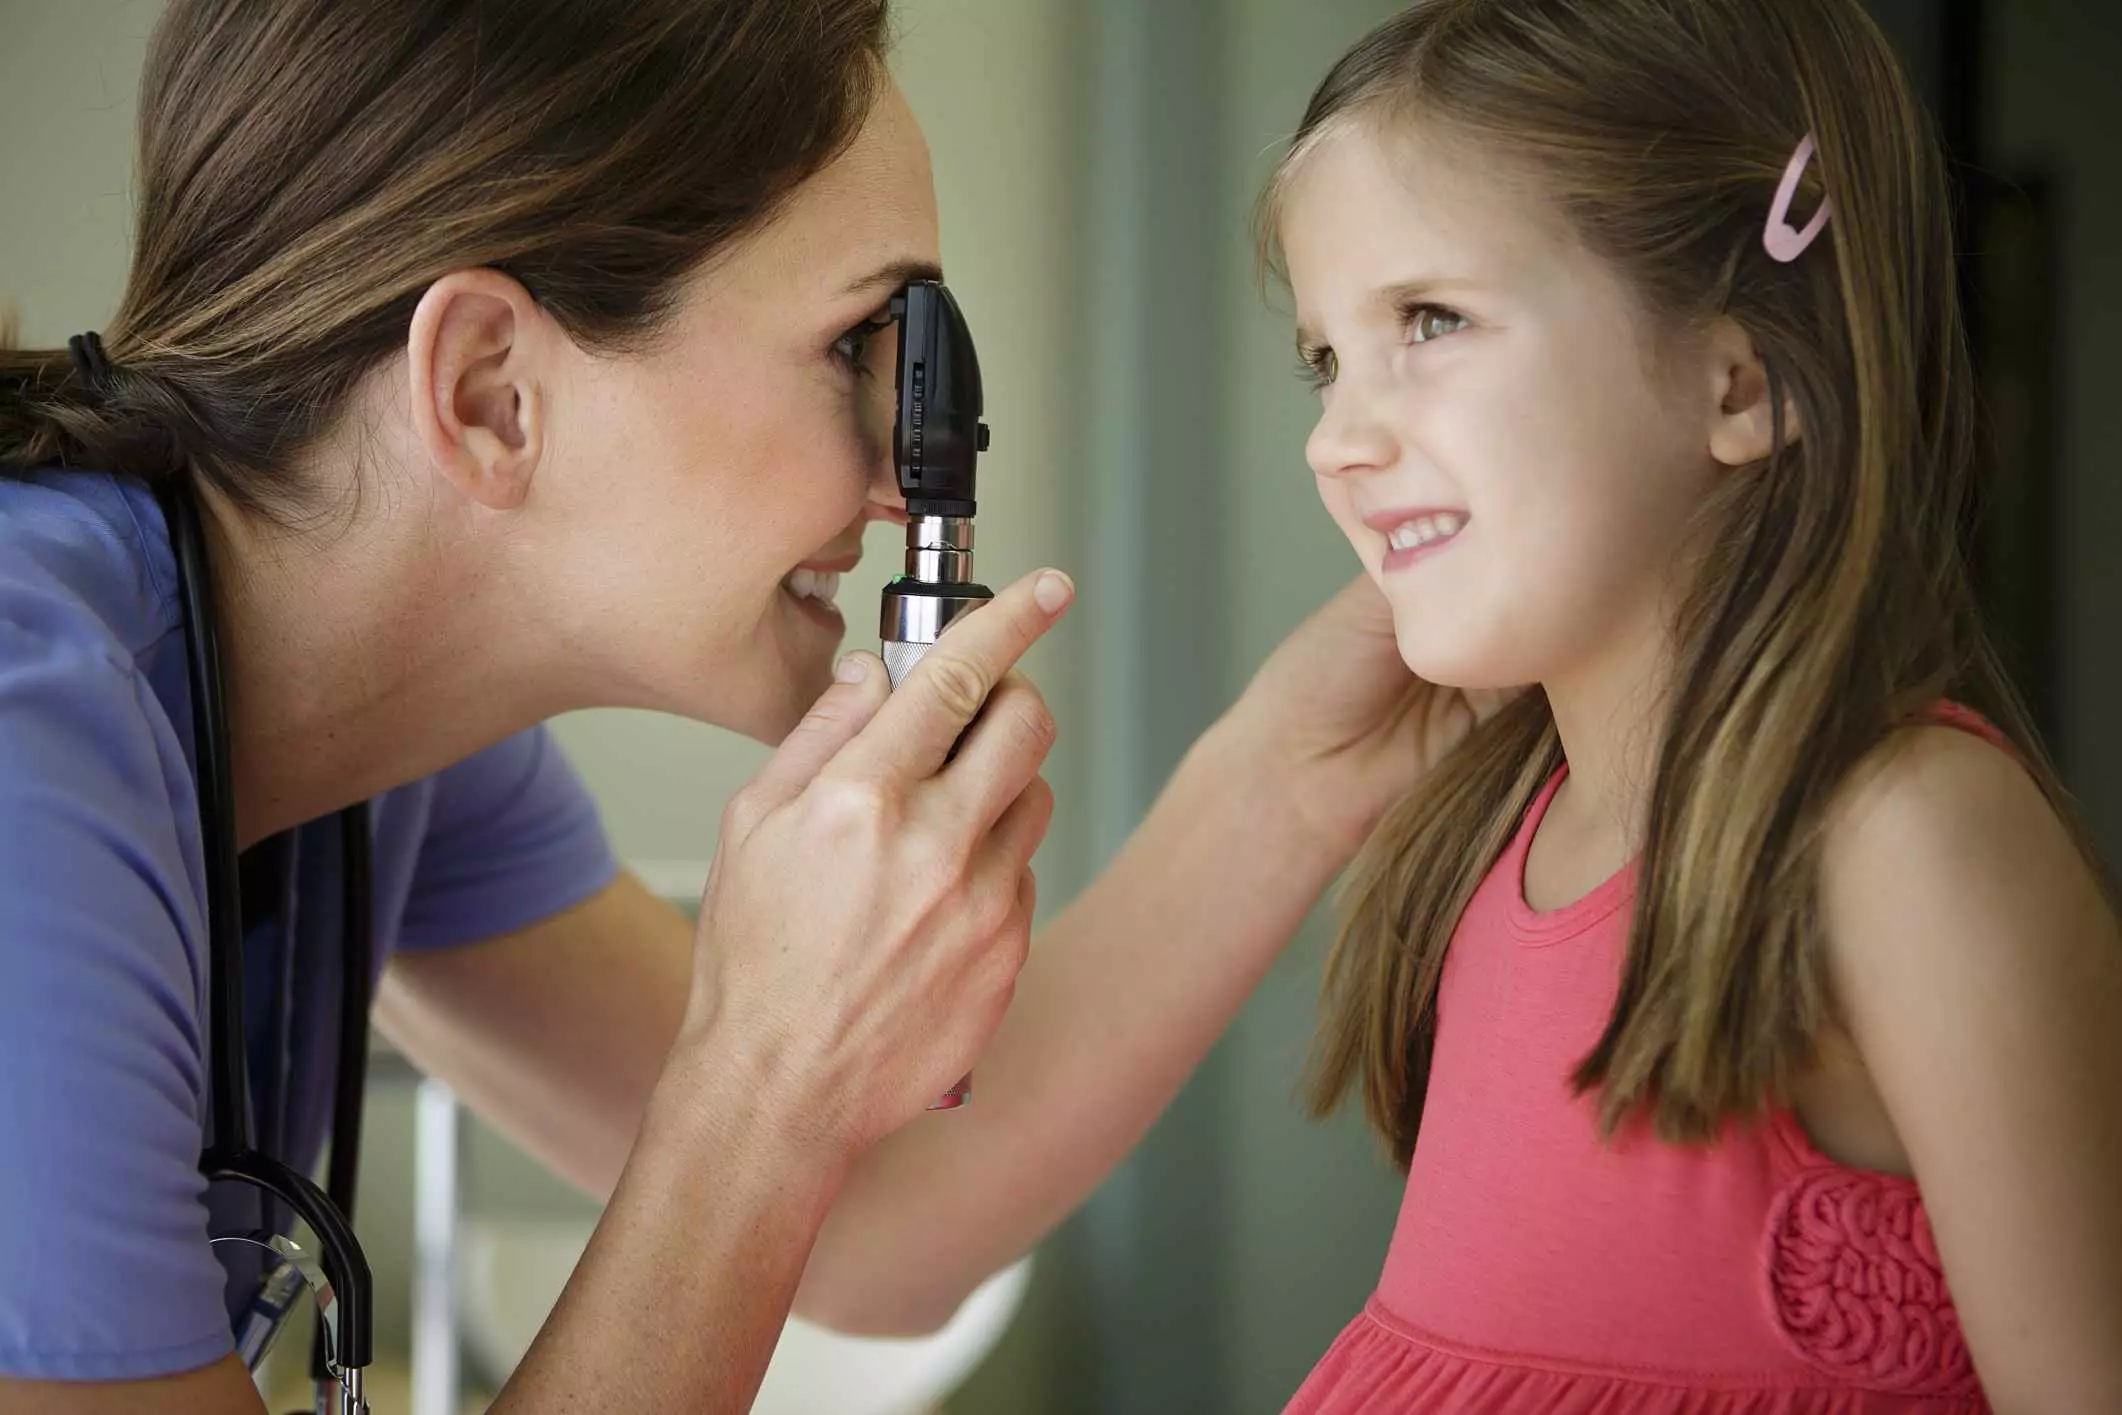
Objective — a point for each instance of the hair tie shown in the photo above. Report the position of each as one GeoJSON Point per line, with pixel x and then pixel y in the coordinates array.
{"type": "Point", "coordinates": [91, 365]}
{"type": "Point", "coordinates": [1779, 238]}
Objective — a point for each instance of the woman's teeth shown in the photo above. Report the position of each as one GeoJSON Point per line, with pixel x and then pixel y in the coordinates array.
{"type": "Point", "coordinates": [812, 584]}
{"type": "Point", "coordinates": [1423, 530]}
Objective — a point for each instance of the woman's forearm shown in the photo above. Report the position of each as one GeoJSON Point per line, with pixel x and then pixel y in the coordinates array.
{"type": "Point", "coordinates": [682, 1294]}
{"type": "Point", "coordinates": [1124, 994]}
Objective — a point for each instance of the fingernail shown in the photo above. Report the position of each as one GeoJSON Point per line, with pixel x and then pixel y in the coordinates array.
{"type": "Point", "coordinates": [852, 668]}
{"type": "Point", "coordinates": [1053, 591]}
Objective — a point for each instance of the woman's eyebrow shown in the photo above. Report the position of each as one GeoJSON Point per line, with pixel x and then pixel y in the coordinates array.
{"type": "Point", "coordinates": [893, 274]}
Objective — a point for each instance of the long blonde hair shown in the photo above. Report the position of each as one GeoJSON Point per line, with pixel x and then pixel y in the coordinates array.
{"type": "Point", "coordinates": [1831, 606]}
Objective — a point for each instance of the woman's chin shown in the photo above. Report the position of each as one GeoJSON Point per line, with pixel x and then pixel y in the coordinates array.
{"type": "Point", "coordinates": [794, 674]}
{"type": "Point", "coordinates": [771, 711]}
{"type": "Point", "coordinates": [761, 686]}
{"type": "Point", "coordinates": [761, 696]}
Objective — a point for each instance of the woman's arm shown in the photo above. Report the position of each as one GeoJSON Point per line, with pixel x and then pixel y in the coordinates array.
{"type": "Point", "coordinates": [1127, 990]}
{"type": "Point", "coordinates": [1979, 968]}
{"type": "Point", "coordinates": [554, 1034]}
{"type": "Point", "coordinates": [682, 1293]}
{"type": "Point", "coordinates": [1124, 994]}
{"type": "Point", "coordinates": [869, 912]}
{"type": "Point", "coordinates": [680, 1298]}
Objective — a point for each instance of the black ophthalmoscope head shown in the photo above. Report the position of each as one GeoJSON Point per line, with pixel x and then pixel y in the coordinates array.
{"type": "Point", "coordinates": [937, 440]}
{"type": "Point", "coordinates": [937, 437]}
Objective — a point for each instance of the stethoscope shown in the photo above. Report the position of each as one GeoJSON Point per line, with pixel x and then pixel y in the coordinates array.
{"type": "Point", "coordinates": [337, 1276]}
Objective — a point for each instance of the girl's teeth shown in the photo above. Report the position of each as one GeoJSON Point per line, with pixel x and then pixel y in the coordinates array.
{"type": "Point", "coordinates": [1425, 529]}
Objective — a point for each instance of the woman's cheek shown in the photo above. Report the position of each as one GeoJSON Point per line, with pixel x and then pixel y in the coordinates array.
{"type": "Point", "coordinates": [876, 409]}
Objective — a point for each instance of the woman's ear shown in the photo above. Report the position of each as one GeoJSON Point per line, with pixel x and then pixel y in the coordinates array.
{"type": "Point", "coordinates": [476, 393]}
{"type": "Point", "coordinates": [1742, 425]}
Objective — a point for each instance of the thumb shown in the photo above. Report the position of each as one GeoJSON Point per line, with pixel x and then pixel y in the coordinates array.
{"type": "Point", "coordinates": [859, 689]}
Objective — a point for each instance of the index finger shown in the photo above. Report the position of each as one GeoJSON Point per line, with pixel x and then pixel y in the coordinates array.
{"type": "Point", "coordinates": [912, 735]}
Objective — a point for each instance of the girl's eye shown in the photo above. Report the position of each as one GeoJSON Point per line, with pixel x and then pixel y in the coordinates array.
{"type": "Point", "coordinates": [1427, 322]}
{"type": "Point", "coordinates": [852, 348]}
{"type": "Point", "coordinates": [1318, 365]}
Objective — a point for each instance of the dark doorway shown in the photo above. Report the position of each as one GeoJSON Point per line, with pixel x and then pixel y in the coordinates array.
{"type": "Point", "coordinates": [2009, 287]}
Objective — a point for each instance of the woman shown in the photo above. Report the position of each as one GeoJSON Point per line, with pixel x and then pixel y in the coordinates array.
{"type": "Point", "coordinates": [516, 356]}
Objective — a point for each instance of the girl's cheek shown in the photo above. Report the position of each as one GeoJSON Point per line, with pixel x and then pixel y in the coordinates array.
{"type": "Point", "coordinates": [1334, 495]}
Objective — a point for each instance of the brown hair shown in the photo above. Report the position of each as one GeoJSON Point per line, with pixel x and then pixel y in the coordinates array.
{"type": "Point", "coordinates": [307, 168]}
{"type": "Point", "coordinates": [1830, 607]}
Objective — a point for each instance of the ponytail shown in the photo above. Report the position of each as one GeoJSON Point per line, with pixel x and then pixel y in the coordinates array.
{"type": "Point", "coordinates": [55, 412]}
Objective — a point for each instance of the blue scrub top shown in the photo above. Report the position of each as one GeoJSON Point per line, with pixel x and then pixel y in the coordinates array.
{"type": "Point", "coordinates": [105, 1268]}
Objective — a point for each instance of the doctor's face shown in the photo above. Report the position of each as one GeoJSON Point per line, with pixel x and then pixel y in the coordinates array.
{"type": "Point", "coordinates": [721, 482]}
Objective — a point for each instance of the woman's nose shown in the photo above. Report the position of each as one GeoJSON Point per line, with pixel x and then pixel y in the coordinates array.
{"type": "Point", "coordinates": [886, 502]}
{"type": "Point", "coordinates": [1350, 435]}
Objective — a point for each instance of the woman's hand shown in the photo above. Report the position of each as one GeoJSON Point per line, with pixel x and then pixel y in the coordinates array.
{"type": "Point", "coordinates": [1343, 724]}
{"type": "Point", "coordinates": [870, 904]}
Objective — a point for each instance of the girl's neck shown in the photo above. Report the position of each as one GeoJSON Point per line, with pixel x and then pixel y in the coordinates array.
{"type": "Point", "coordinates": [1608, 710]}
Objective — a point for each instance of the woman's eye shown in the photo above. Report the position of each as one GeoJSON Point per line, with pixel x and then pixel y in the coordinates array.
{"type": "Point", "coordinates": [853, 346]}
{"type": "Point", "coordinates": [1427, 322]}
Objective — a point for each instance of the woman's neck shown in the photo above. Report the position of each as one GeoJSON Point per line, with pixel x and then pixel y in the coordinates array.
{"type": "Point", "coordinates": [357, 660]}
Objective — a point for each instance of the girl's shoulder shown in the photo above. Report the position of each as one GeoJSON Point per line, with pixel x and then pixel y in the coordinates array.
{"type": "Point", "coordinates": [1945, 807]}
{"type": "Point", "coordinates": [1946, 767]}
{"type": "Point", "coordinates": [1974, 958]}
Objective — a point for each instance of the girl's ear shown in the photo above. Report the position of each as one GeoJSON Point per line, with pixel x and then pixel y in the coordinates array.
{"type": "Point", "coordinates": [1742, 429]}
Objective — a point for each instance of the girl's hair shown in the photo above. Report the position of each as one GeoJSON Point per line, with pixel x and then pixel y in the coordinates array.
{"type": "Point", "coordinates": [307, 168]}
{"type": "Point", "coordinates": [1831, 606]}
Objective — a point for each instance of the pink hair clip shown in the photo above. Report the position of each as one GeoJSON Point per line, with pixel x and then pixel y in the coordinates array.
{"type": "Point", "coordinates": [1779, 238]}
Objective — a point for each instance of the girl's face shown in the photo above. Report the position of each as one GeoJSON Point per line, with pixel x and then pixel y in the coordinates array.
{"type": "Point", "coordinates": [705, 486]}
{"type": "Point", "coordinates": [1496, 437]}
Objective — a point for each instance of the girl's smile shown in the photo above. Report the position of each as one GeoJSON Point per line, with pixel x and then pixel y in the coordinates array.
{"type": "Point", "coordinates": [1414, 535]}
{"type": "Point", "coordinates": [1476, 362]}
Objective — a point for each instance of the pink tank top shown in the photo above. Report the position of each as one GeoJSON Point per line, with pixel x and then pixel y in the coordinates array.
{"type": "Point", "coordinates": [1536, 1270]}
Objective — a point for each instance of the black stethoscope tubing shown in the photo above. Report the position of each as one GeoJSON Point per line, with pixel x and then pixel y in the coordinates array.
{"type": "Point", "coordinates": [230, 1152]}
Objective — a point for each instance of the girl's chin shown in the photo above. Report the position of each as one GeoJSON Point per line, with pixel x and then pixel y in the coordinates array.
{"type": "Point", "coordinates": [1470, 667]}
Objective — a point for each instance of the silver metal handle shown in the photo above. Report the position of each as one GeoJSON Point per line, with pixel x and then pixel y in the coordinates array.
{"type": "Point", "coordinates": [437, 1389]}
{"type": "Point", "coordinates": [936, 591]}
{"type": "Point", "coordinates": [343, 1396]}
{"type": "Point", "coordinates": [900, 656]}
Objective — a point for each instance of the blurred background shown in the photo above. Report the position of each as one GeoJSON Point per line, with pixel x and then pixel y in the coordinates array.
{"type": "Point", "coordinates": [1096, 160]}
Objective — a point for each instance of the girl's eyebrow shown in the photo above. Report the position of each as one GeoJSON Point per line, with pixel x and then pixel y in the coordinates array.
{"type": "Point", "coordinates": [1421, 287]}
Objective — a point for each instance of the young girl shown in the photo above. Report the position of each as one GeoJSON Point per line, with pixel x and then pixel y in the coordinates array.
{"type": "Point", "coordinates": [1643, 384]}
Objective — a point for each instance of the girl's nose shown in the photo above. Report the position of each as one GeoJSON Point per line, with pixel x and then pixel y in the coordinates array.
{"type": "Point", "coordinates": [1349, 437]}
